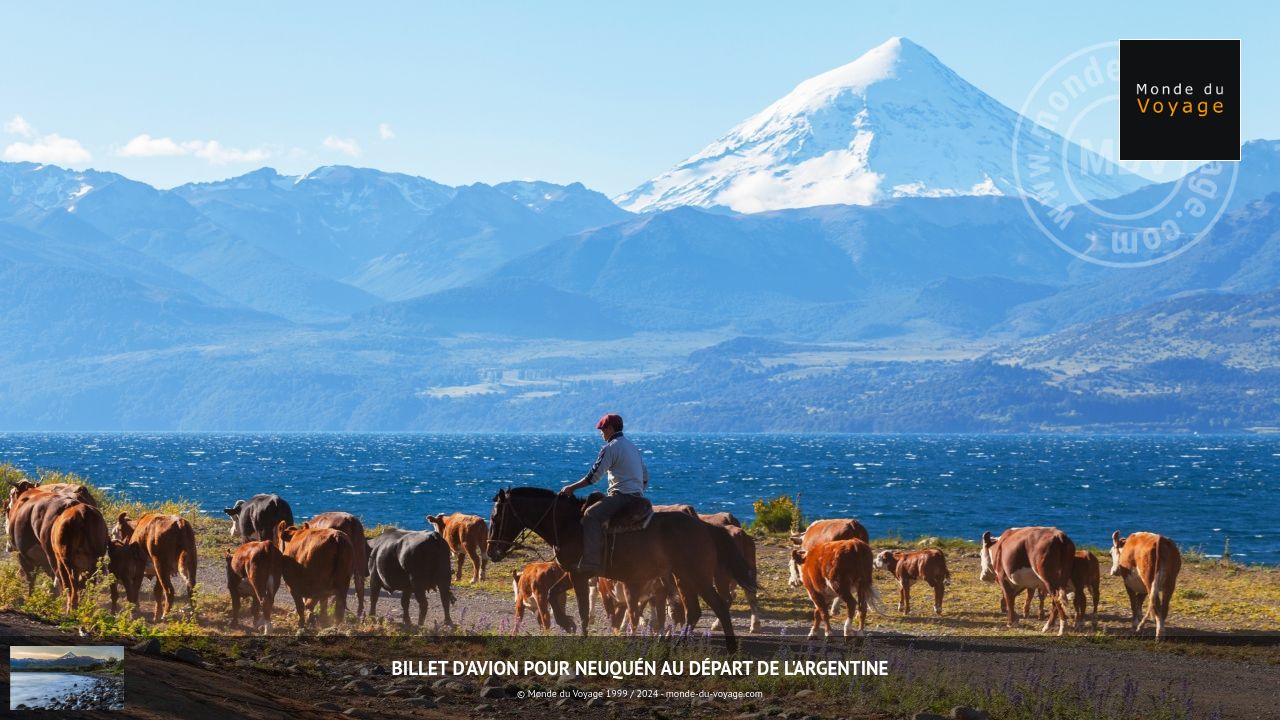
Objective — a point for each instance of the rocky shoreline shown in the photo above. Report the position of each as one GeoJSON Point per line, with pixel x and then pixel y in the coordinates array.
{"type": "Point", "coordinates": [104, 693]}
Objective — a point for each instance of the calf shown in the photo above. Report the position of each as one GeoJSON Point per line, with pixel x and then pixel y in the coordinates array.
{"type": "Point", "coordinates": [820, 531]}
{"type": "Point", "coordinates": [837, 570]}
{"type": "Point", "coordinates": [911, 567]}
{"type": "Point", "coordinates": [351, 525]}
{"type": "Point", "coordinates": [466, 535]}
{"type": "Point", "coordinates": [254, 571]}
{"type": "Point", "coordinates": [624, 603]}
{"type": "Point", "coordinates": [1149, 564]}
{"type": "Point", "coordinates": [1030, 557]}
{"type": "Point", "coordinates": [169, 544]}
{"type": "Point", "coordinates": [542, 587]}
{"type": "Point", "coordinates": [316, 565]}
{"type": "Point", "coordinates": [77, 540]}
{"type": "Point", "coordinates": [410, 563]}
{"type": "Point", "coordinates": [257, 518]}
{"type": "Point", "coordinates": [127, 564]}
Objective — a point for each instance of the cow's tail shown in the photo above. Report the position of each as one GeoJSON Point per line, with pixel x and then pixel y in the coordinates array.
{"type": "Point", "coordinates": [730, 558]}
{"type": "Point", "coordinates": [873, 599]}
{"type": "Point", "coordinates": [187, 555]}
{"type": "Point", "coordinates": [1154, 601]}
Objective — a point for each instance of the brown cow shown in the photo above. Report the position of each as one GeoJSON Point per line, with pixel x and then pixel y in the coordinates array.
{"type": "Point", "coordinates": [837, 570]}
{"type": "Point", "coordinates": [542, 587]}
{"type": "Point", "coordinates": [169, 543]}
{"type": "Point", "coordinates": [1030, 557]}
{"type": "Point", "coordinates": [685, 508]}
{"type": "Point", "coordinates": [316, 565]}
{"type": "Point", "coordinates": [254, 571]}
{"type": "Point", "coordinates": [77, 540]}
{"type": "Point", "coordinates": [466, 535]}
{"type": "Point", "coordinates": [1084, 577]}
{"type": "Point", "coordinates": [25, 491]}
{"type": "Point", "coordinates": [1149, 564]}
{"type": "Point", "coordinates": [820, 531]}
{"type": "Point", "coordinates": [29, 524]}
{"type": "Point", "coordinates": [910, 567]}
{"type": "Point", "coordinates": [351, 525]}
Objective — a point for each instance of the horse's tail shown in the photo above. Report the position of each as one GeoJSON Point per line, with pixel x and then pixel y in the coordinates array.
{"type": "Point", "coordinates": [730, 557]}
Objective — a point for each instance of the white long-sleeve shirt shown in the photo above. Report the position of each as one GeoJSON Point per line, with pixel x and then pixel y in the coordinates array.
{"type": "Point", "coordinates": [621, 459]}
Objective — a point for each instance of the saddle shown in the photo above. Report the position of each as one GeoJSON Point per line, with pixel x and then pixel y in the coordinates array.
{"type": "Point", "coordinates": [629, 520]}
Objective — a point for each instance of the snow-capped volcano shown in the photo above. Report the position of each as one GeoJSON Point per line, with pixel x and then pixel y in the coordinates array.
{"type": "Point", "coordinates": [895, 122]}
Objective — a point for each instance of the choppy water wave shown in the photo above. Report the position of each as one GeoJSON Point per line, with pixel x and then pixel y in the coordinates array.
{"type": "Point", "coordinates": [1197, 490]}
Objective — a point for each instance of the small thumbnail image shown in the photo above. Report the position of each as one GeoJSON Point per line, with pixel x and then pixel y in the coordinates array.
{"type": "Point", "coordinates": [66, 677]}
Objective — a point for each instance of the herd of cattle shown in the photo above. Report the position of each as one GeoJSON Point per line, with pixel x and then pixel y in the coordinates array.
{"type": "Point", "coordinates": [59, 529]}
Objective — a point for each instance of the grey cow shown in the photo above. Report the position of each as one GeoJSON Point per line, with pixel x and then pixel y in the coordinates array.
{"type": "Point", "coordinates": [410, 562]}
{"type": "Point", "coordinates": [257, 518]}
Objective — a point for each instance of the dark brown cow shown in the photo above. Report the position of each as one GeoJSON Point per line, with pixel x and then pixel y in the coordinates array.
{"type": "Point", "coordinates": [542, 587]}
{"type": "Point", "coordinates": [1030, 557]}
{"type": "Point", "coordinates": [316, 565]}
{"type": "Point", "coordinates": [466, 535]}
{"type": "Point", "coordinates": [820, 531]}
{"type": "Point", "coordinates": [351, 525]}
{"type": "Point", "coordinates": [1149, 564]}
{"type": "Point", "coordinates": [837, 570]}
{"type": "Point", "coordinates": [914, 566]}
{"type": "Point", "coordinates": [169, 543]}
{"type": "Point", "coordinates": [254, 571]}
{"type": "Point", "coordinates": [77, 541]}
{"type": "Point", "coordinates": [724, 581]}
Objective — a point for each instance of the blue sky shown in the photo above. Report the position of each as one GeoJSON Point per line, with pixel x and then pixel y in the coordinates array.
{"type": "Point", "coordinates": [606, 94]}
{"type": "Point", "coordinates": [45, 652]}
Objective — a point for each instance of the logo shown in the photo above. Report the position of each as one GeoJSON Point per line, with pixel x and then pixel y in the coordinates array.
{"type": "Point", "coordinates": [1123, 214]}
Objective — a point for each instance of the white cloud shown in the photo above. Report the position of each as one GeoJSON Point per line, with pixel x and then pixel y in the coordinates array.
{"type": "Point", "coordinates": [385, 132]}
{"type": "Point", "coordinates": [52, 148]}
{"type": "Point", "coordinates": [19, 126]}
{"type": "Point", "coordinates": [346, 146]}
{"type": "Point", "coordinates": [211, 151]}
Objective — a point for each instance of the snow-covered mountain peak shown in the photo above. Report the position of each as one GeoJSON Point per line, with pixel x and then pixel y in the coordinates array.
{"type": "Point", "coordinates": [895, 122]}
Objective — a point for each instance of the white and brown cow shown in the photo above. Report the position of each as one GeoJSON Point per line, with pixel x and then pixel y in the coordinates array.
{"type": "Point", "coordinates": [838, 570]}
{"type": "Point", "coordinates": [911, 567]}
{"type": "Point", "coordinates": [820, 531]}
{"type": "Point", "coordinates": [1149, 564]}
{"type": "Point", "coordinates": [1030, 557]}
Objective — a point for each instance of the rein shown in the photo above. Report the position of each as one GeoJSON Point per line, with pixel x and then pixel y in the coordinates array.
{"type": "Point", "coordinates": [527, 528]}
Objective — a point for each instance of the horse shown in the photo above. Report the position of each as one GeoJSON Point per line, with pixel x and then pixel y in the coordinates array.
{"type": "Point", "coordinates": [672, 542]}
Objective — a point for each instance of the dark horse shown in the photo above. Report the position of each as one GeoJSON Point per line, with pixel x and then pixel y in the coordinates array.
{"type": "Point", "coordinates": [673, 543]}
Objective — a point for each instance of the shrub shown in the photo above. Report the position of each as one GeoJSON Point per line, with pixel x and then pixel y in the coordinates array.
{"type": "Point", "coordinates": [779, 515]}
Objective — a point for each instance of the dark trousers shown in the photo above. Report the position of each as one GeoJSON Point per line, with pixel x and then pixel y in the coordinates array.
{"type": "Point", "coordinates": [593, 524]}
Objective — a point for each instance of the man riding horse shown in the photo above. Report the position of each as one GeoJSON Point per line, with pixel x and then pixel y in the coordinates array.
{"type": "Point", "coordinates": [628, 479]}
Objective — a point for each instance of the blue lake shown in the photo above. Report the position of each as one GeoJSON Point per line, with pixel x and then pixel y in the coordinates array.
{"type": "Point", "coordinates": [37, 689]}
{"type": "Point", "coordinates": [1199, 490]}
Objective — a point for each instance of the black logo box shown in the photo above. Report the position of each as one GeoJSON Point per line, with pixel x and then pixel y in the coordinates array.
{"type": "Point", "coordinates": [1185, 67]}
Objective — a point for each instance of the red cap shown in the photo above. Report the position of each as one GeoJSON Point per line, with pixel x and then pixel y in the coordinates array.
{"type": "Point", "coordinates": [610, 420]}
